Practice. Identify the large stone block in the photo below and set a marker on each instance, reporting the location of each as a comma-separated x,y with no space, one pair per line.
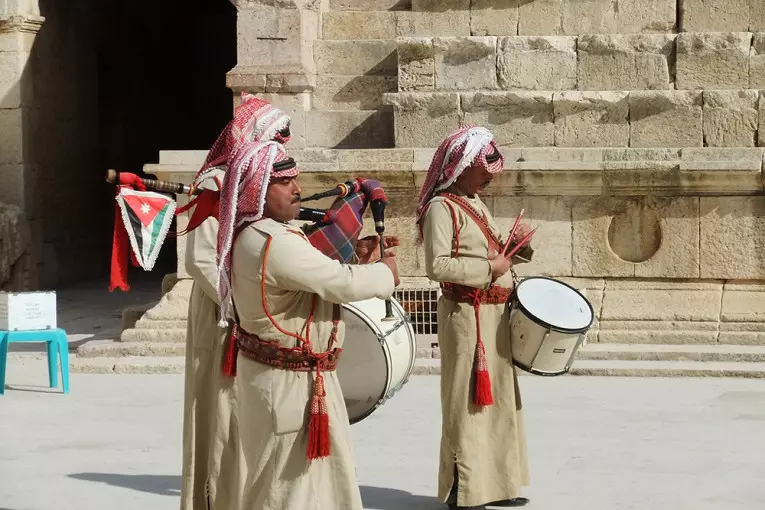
515,118
709,171
625,300
370,5
352,92
716,61
465,63
353,58
416,64
423,119
433,18
494,17
590,17
715,15
666,119
540,17
636,237
12,131
538,63
15,90
756,16
757,62
361,129
551,216
732,237
730,118
359,25
624,62
591,119
647,16
267,36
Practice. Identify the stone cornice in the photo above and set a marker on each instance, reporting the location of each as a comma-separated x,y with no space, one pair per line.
21,23
532,171
285,79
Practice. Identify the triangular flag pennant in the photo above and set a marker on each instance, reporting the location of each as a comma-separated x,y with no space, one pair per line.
147,217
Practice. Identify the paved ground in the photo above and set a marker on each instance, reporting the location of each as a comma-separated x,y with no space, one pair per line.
595,443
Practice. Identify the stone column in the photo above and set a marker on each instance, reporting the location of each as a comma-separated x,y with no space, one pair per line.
20,21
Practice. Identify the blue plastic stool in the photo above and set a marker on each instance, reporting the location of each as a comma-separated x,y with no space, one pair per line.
58,349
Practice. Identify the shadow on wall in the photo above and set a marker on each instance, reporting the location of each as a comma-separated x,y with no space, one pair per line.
106,85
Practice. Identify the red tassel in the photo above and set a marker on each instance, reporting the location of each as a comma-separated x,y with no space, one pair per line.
483,396
318,428
120,247
229,360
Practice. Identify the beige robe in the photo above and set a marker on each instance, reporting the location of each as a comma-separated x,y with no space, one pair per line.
210,432
273,413
487,444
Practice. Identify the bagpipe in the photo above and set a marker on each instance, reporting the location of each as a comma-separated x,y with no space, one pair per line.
144,217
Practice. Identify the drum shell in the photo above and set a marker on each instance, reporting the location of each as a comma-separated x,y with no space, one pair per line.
540,350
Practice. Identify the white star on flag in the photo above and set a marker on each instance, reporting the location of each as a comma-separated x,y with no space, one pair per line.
145,208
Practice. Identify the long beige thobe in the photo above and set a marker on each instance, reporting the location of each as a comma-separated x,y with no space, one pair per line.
210,432
487,444
273,403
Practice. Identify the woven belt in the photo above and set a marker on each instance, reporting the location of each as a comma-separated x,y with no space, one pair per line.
269,352
464,294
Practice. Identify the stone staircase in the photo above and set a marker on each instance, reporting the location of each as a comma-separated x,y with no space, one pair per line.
632,134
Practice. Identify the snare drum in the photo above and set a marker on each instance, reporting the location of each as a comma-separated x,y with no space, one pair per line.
548,323
378,356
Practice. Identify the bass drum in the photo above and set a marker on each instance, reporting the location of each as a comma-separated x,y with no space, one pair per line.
378,356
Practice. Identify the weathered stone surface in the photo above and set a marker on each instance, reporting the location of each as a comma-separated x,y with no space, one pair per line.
552,241
433,18
647,16
641,177
359,25
624,62
370,5
296,106
14,232
538,63
515,118
732,235
730,118
494,17
591,119
743,302
353,58
631,154
416,64
423,118
666,118
271,35
14,91
721,171
359,129
540,17
715,15
352,92
660,301
464,63
590,17
643,237
756,16
757,61
11,135
717,61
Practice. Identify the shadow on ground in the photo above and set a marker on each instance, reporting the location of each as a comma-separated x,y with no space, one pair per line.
381,498
164,485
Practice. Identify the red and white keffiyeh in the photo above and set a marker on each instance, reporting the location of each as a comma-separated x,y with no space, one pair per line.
242,201
468,146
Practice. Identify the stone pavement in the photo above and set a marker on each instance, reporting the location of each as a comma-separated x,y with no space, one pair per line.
595,443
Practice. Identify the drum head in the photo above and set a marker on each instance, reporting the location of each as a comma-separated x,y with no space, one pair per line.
362,369
554,304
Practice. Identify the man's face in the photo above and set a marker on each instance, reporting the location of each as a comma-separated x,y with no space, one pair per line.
282,199
474,180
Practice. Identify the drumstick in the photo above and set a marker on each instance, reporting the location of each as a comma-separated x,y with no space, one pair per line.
512,232
520,244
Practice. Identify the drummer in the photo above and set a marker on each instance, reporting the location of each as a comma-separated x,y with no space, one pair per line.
483,444
284,294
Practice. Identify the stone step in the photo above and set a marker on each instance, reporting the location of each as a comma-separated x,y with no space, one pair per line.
160,335
663,352
128,365
668,368
111,349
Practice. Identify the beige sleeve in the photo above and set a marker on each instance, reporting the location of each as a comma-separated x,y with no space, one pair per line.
294,264
438,235
201,253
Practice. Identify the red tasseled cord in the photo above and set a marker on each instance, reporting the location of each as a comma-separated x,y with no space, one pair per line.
229,360
318,428
483,396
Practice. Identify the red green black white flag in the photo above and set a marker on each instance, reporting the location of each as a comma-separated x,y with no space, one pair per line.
146,216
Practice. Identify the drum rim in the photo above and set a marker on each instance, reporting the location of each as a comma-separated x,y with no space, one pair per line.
544,324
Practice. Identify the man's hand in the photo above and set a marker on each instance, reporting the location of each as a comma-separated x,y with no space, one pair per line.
521,232
499,264
368,248
390,261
